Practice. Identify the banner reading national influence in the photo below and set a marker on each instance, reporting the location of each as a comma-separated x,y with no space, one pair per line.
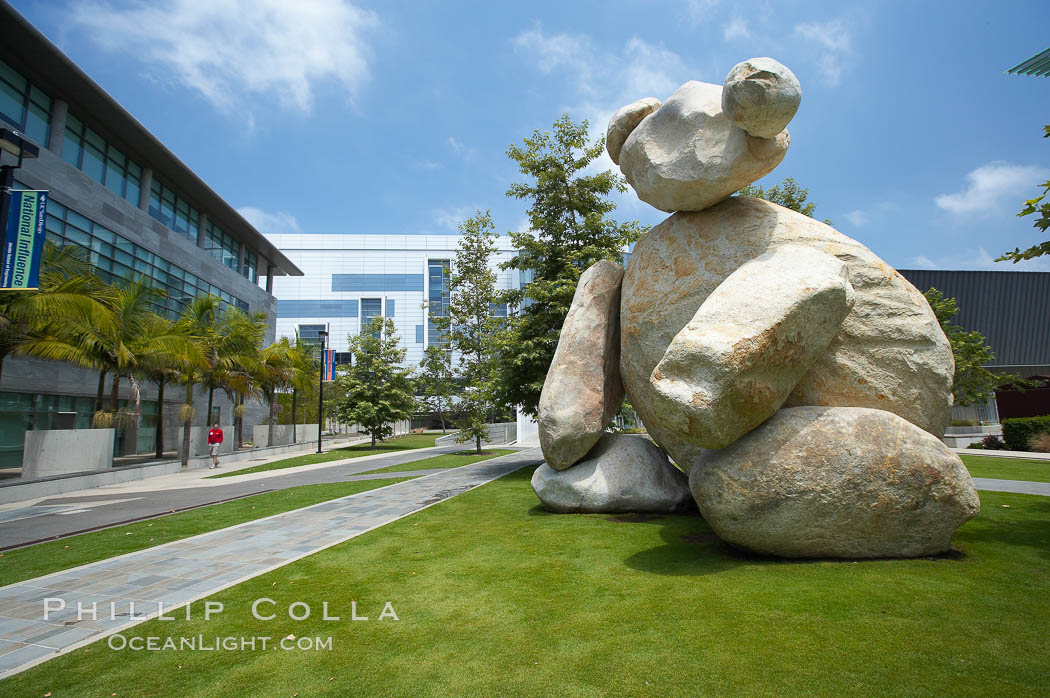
23,240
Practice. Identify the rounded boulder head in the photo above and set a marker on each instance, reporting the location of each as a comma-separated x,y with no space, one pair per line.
761,96
624,121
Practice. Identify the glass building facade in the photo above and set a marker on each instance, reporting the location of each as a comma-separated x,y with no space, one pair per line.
23,105
94,156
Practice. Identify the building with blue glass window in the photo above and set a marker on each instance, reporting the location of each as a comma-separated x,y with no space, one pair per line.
121,194
349,279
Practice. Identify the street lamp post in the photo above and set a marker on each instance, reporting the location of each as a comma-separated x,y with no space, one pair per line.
322,335
11,142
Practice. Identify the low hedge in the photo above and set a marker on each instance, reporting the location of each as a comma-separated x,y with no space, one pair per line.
1019,430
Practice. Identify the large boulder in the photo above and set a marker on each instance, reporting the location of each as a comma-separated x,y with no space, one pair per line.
889,353
688,155
840,482
735,363
620,474
761,96
625,120
583,390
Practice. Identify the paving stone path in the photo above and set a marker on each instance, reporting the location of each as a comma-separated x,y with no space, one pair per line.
189,569
1019,486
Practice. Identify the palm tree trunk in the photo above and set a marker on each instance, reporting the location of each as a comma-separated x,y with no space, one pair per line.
240,424
211,401
159,451
186,429
273,409
114,398
101,389
294,395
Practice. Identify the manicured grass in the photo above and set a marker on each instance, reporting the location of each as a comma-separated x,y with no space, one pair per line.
497,597
64,553
400,443
451,460
1007,468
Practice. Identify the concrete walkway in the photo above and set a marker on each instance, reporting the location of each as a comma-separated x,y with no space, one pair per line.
193,568
63,515
1023,455
1019,486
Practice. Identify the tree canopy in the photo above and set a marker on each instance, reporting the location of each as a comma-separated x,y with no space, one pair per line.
787,194
1040,205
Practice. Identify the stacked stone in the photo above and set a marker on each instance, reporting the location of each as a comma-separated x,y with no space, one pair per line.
798,379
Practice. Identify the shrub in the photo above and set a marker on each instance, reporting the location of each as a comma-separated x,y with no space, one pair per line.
1040,442
991,443
1018,432
976,446
964,423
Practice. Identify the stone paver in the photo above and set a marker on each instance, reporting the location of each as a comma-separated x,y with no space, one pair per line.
192,568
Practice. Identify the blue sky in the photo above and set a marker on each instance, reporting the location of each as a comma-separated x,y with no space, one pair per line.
394,117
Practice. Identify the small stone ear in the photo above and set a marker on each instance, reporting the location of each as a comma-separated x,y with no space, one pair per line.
761,96
624,121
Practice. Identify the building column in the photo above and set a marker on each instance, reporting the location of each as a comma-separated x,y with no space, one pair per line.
145,186
59,109
269,278
202,237
240,257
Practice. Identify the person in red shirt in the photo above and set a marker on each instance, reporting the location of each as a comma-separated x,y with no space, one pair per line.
214,439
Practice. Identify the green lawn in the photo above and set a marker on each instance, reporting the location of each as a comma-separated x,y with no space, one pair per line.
45,558
401,443
497,597
451,460
1007,468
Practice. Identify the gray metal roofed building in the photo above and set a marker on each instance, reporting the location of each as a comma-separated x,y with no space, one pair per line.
119,192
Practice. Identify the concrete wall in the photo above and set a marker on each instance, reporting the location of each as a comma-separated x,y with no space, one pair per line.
282,434
199,440
503,433
64,451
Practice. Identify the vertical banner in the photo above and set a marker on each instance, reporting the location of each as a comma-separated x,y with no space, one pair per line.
23,240
329,364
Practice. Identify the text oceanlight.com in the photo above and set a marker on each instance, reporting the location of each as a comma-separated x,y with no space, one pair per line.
214,643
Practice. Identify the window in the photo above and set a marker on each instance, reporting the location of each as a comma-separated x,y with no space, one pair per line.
221,246
24,106
377,282
343,358
94,156
419,334
116,258
173,211
370,308
438,271
317,308
310,334
251,266
390,307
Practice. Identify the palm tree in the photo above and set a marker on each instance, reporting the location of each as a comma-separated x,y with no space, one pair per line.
66,295
303,375
274,370
232,347
197,319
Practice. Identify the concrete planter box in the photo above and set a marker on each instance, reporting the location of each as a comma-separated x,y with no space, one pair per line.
63,451
282,434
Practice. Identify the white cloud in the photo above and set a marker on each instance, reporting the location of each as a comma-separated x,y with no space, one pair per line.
989,184
428,165
236,51
857,218
270,223
834,40
460,149
977,259
736,29
450,218
700,10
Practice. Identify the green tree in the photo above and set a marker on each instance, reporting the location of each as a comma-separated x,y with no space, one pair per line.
973,382
1041,206
306,367
434,384
232,346
470,327
376,389
787,194
570,230
274,371
197,319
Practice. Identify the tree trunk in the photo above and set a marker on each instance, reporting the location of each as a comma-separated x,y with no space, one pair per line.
478,438
294,394
441,415
373,440
101,389
240,424
114,398
160,419
273,409
2,357
211,402
186,429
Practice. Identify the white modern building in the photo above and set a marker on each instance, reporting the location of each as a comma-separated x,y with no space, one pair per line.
349,279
